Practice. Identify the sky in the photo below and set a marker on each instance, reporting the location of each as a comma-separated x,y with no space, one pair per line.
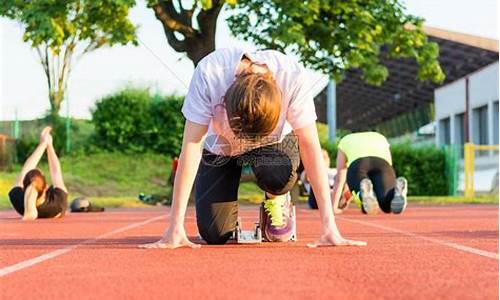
154,64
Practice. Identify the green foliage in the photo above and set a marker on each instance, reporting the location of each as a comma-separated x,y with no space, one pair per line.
122,120
55,23
24,147
424,167
203,4
132,120
168,125
81,131
335,36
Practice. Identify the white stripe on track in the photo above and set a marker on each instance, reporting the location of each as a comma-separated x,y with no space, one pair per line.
36,260
456,246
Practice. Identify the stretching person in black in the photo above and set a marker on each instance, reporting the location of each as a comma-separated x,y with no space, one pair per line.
30,196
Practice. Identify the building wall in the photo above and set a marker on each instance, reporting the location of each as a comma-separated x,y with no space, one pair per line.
483,121
483,117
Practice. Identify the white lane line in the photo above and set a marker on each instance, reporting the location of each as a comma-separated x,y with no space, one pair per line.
36,260
429,239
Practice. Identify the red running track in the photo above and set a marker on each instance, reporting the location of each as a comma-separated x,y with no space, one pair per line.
433,252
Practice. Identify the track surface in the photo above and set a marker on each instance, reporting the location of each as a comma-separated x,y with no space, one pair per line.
436,252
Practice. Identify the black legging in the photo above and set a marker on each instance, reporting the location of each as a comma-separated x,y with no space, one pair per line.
380,173
218,179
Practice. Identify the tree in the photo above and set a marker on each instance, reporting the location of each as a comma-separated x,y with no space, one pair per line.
337,35
190,30
64,31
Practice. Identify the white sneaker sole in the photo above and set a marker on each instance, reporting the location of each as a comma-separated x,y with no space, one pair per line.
399,203
368,199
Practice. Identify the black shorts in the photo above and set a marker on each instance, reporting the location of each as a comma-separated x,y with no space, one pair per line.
218,179
56,202
381,174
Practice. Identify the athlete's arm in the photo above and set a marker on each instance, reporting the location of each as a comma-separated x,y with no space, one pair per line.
310,152
34,158
55,167
189,160
339,181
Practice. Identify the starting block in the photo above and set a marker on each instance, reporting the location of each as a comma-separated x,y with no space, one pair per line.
255,236
247,236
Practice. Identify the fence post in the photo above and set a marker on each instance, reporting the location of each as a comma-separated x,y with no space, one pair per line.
469,170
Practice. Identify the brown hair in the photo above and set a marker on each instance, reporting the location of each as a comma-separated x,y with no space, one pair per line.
36,179
253,105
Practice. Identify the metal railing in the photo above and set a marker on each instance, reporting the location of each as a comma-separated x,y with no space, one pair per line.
469,164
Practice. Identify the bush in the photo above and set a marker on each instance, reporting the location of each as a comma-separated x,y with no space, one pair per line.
81,130
24,147
424,167
168,125
132,121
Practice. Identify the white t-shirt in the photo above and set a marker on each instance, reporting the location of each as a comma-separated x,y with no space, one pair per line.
204,102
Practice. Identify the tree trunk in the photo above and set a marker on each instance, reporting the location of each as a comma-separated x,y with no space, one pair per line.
199,48
56,98
196,43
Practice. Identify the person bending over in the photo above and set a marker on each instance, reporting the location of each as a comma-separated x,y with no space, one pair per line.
364,161
30,196
247,109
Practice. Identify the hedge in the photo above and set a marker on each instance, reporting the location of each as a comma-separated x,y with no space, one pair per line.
134,121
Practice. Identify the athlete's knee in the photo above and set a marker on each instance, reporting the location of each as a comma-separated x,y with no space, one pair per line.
213,236
216,221
278,181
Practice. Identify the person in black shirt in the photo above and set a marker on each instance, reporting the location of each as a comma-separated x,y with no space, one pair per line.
30,196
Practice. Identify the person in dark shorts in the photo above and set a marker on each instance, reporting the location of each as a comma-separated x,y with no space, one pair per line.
30,196
247,109
364,160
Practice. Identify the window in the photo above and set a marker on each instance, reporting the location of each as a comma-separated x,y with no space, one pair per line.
495,123
480,125
459,129
444,131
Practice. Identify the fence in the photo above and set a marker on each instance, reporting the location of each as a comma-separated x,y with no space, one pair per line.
7,152
469,165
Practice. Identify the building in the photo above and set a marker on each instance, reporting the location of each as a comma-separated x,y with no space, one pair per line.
402,104
467,111
405,108
480,91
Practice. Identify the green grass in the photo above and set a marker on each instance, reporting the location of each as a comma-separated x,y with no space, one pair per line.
115,180
482,199
116,174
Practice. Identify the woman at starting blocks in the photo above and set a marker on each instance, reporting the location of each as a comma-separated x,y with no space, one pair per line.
248,109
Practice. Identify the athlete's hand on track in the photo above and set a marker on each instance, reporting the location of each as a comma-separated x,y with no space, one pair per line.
172,239
332,237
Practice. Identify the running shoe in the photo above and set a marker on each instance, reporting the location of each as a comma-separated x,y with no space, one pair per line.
278,223
399,202
368,198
